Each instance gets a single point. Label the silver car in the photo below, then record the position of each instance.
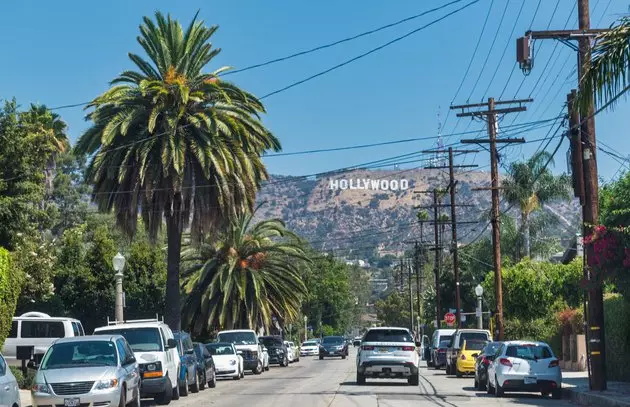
(95, 371)
(9, 391)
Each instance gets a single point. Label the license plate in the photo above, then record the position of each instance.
(531, 380)
(383, 350)
(73, 402)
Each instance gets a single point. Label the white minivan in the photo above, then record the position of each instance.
(155, 349)
(40, 331)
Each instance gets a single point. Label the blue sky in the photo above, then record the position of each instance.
(61, 53)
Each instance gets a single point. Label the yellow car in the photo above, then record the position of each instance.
(467, 356)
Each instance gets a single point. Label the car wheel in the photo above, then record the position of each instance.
(123, 400)
(413, 380)
(458, 373)
(476, 385)
(183, 389)
(321, 358)
(136, 398)
(202, 381)
(343, 357)
(556, 394)
(237, 377)
(360, 379)
(482, 385)
(175, 391)
(258, 369)
(498, 391)
(213, 383)
(448, 370)
(242, 374)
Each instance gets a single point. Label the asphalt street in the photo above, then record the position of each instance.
(331, 382)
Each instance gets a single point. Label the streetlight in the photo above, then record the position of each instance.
(479, 293)
(119, 264)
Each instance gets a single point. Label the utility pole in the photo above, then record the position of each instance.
(419, 267)
(584, 34)
(411, 318)
(490, 116)
(438, 255)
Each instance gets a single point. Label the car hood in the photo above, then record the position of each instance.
(148, 357)
(251, 348)
(222, 360)
(332, 345)
(76, 374)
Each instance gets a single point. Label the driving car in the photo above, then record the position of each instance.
(467, 356)
(98, 370)
(388, 352)
(188, 375)
(228, 362)
(333, 346)
(205, 366)
(482, 362)
(309, 348)
(11, 395)
(277, 350)
(246, 341)
(525, 366)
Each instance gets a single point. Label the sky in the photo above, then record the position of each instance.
(64, 53)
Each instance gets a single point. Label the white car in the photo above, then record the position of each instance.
(309, 348)
(11, 395)
(227, 360)
(265, 358)
(246, 341)
(386, 353)
(292, 350)
(525, 366)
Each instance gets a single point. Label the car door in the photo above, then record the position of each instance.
(191, 359)
(209, 363)
(6, 385)
(133, 367)
(126, 372)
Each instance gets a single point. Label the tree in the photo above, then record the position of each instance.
(393, 311)
(530, 184)
(69, 193)
(10, 284)
(172, 143)
(245, 278)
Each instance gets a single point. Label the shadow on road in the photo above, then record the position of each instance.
(377, 383)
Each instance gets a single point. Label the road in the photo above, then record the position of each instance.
(331, 383)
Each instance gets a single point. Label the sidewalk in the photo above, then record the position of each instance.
(575, 387)
(25, 398)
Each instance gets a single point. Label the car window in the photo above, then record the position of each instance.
(3, 366)
(491, 348)
(499, 351)
(529, 352)
(14, 329)
(140, 339)
(271, 341)
(467, 336)
(444, 344)
(475, 345)
(310, 343)
(81, 329)
(42, 329)
(80, 354)
(333, 340)
(220, 349)
(239, 338)
(130, 355)
(122, 351)
(445, 338)
(388, 335)
(75, 329)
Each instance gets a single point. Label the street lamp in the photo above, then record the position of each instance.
(479, 293)
(119, 264)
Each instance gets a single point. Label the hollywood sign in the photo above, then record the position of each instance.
(369, 184)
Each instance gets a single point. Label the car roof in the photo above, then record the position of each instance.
(89, 338)
(385, 328)
(219, 343)
(128, 325)
(446, 331)
(237, 330)
(526, 343)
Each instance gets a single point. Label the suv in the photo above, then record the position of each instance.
(457, 341)
(188, 374)
(246, 341)
(155, 349)
(388, 353)
(333, 346)
(38, 330)
(277, 349)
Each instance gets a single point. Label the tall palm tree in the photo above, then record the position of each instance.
(175, 144)
(247, 277)
(530, 184)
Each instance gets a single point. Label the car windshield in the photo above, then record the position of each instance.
(333, 340)
(220, 349)
(269, 341)
(529, 352)
(445, 338)
(444, 344)
(491, 348)
(140, 339)
(475, 345)
(468, 336)
(80, 354)
(238, 338)
(388, 335)
(310, 343)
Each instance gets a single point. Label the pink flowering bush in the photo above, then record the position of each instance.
(610, 259)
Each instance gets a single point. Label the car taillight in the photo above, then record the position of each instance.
(463, 357)
(365, 347)
(408, 348)
(553, 363)
(485, 361)
(441, 350)
(505, 362)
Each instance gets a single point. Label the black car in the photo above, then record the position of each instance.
(205, 369)
(439, 359)
(277, 350)
(485, 357)
(333, 346)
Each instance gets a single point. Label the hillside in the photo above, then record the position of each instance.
(356, 212)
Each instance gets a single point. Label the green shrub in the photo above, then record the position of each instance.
(616, 316)
(10, 285)
(23, 382)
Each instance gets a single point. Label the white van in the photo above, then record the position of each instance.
(246, 342)
(40, 331)
(155, 349)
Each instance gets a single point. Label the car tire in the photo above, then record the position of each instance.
(266, 368)
(321, 358)
(448, 369)
(458, 374)
(343, 357)
(237, 377)
(123, 401)
(136, 398)
(183, 389)
(242, 374)
(482, 385)
(498, 391)
(175, 391)
(360, 379)
(476, 384)
(258, 369)
(556, 394)
(202, 382)
(213, 383)
(413, 380)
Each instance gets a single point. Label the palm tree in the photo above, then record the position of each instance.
(422, 217)
(172, 143)
(55, 131)
(247, 277)
(530, 185)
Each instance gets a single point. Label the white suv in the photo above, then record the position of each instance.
(246, 342)
(388, 353)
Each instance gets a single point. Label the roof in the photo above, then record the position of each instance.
(526, 343)
(154, 324)
(38, 316)
(237, 330)
(219, 344)
(88, 338)
(380, 328)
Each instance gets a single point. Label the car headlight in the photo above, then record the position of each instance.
(232, 362)
(40, 388)
(280, 351)
(106, 384)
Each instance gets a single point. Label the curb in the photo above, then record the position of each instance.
(593, 399)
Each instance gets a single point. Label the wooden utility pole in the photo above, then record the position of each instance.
(491, 118)
(436, 270)
(419, 268)
(588, 186)
(411, 318)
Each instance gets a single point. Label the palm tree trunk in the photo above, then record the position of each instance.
(526, 235)
(172, 314)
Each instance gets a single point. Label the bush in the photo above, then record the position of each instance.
(540, 329)
(23, 382)
(616, 316)
(10, 285)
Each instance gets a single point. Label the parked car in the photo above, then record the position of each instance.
(482, 362)
(10, 397)
(96, 370)
(188, 375)
(227, 360)
(309, 348)
(333, 346)
(525, 366)
(388, 353)
(205, 366)
(457, 341)
(425, 348)
(277, 350)
(356, 342)
(246, 341)
(293, 352)
(439, 360)
(38, 330)
(265, 358)
(467, 356)
(155, 349)
(439, 335)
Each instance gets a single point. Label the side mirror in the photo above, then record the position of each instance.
(170, 344)
(32, 365)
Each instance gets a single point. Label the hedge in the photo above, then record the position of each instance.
(10, 286)
(616, 316)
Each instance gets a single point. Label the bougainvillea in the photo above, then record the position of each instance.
(610, 258)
